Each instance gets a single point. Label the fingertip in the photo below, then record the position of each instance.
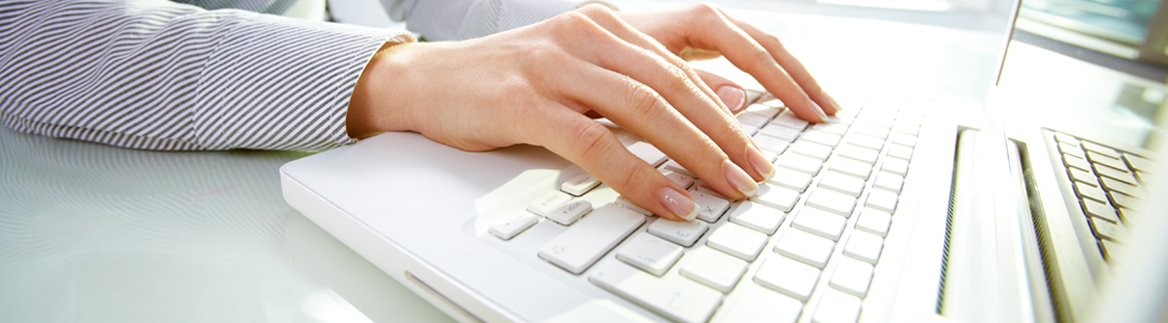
(680, 206)
(733, 97)
(831, 106)
(819, 111)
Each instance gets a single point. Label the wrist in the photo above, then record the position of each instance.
(376, 105)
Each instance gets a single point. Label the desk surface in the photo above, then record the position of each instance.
(95, 233)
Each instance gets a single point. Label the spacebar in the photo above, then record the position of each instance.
(675, 297)
(590, 238)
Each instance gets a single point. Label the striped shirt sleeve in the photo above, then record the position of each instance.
(466, 19)
(159, 75)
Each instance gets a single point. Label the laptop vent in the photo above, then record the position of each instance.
(948, 232)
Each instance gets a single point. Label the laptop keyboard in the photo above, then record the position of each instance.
(812, 236)
(1107, 183)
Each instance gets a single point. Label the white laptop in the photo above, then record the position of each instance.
(897, 210)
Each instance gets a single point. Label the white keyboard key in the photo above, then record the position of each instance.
(900, 151)
(592, 237)
(837, 307)
(789, 120)
(764, 109)
(790, 178)
(674, 166)
(648, 153)
(570, 212)
(710, 207)
(749, 129)
(882, 200)
(839, 182)
(889, 181)
(780, 198)
(513, 224)
(896, 166)
(832, 127)
(649, 253)
(624, 202)
(548, 203)
(866, 142)
(580, 184)
(811, 149)
(852, 276)
(820, 223)
(832, 201)
(870, 130)
(714, 269)
(752, 119)
(907, 128)
(825, 138)
(737, 241)
(783, 133)
(864, 247)
(684, 233)
(858, 153)
(678, 299)
(904, 139)
(874, 222)
(685, 181)
(758, 217)
(800, 163)
(788, 276)
(769, 143)
(802, 246)
(758, 304)
(851, 167)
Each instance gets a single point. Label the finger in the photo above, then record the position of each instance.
(744, 52)
(731, 94)
(794, 68)
(688, 94)
(595, 149)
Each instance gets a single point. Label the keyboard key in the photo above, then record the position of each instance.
(907, 128)
(624, 202)
(1139, 163)
(584, 243)
(1074, 150)
(802, 246)
(758, 304)
(1123, 200)
(1104, 229)
(548, 203)
(1118, 186)
(896, 166)
(580, 184)
(1109, 161)
(765, 110)
(684, 233)
(864, 247)
(858, 153)
(889, 181)
(1099, 210)
(1100, 149)
(1077, 162)
(672, 165)
(837, 307)
(789, 120)
(513, 224)
(839, 182)
(758, 217)
(874, 222)
(780, 198)
(800, 163)
(570, 212)
(866, 142)
(791, 179)
(870, 130)
(882, 200)
(714, 269)
(753, 119)
(647, 153)
(832, 127)
(831, 201)
(900, 151)
(1091, 192)
(821, 137)
(749, 129)
(685, 181)
(677, 298)
(786, 134)
(811, 149)
(650, 253)
(771, 143)
(710, 207)
(787, 276)
(851, 167)
(904, 139)
(1116, 174)
(1062, 137)
(820, 223)
(1081, 176)
(737, 241)
(852, 276)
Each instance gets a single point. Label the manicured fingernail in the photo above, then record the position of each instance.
(678, 203)
(738, 179)
(834, 104)
(761, 165)
(818, 111)
(733, 97)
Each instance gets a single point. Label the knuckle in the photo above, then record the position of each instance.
(590, 136)
(642, 100)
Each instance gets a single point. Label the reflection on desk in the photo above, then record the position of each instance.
(96, 233)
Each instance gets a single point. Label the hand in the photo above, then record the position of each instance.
(543, 84)
(704, 31)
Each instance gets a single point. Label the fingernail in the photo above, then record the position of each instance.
(678, 203)
(834, 104)
(818, 111)
(738, 179)
(759, 162)
(733, 97)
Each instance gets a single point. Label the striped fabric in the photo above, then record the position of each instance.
(154, 74)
